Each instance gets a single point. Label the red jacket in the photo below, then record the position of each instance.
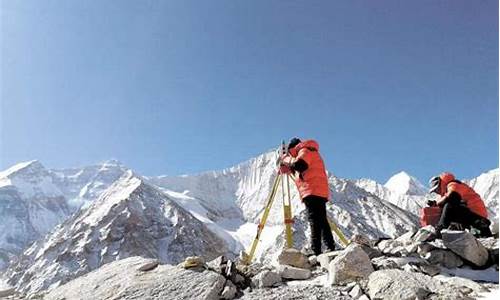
(471, 199)
(312, 181)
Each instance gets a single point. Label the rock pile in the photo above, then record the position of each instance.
(415, 265)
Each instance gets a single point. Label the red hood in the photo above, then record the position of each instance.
(446, 178)
(308, 144)
(305, 144)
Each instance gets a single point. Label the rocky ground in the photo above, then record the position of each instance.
(415, 265)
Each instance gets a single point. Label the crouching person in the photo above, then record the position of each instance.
(460, 205)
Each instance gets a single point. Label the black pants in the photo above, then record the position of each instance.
(316, 214)
(457, 212)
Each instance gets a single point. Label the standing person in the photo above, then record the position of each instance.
(460, 205)
(303, 159)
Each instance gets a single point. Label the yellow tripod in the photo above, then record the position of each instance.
(287, 213)
(284, 179)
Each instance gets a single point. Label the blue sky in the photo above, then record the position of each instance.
(174, 87)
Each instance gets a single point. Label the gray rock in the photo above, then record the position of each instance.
(412, 247)
(352, 264)
(356, 292)
(148, 266)
(266, 278)
(361, 240)
(295, 258)
(444, 258)
(313, 260)
(430, 270)
(7, 292)
(465, 245)
(363, 297)
(460, 282)
(491, 244)
(382, 263)
(397, 284)
(122, 280)
(229, 291)
(372, 252)
(424, 234)
(218, 264)
(289, 272)
(325, 258)
(406, 238)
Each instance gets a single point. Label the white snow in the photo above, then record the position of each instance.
(404, 184)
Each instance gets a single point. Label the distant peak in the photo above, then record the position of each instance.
(404, 184)
(32, 165)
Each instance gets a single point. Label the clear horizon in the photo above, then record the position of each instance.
(181, 87)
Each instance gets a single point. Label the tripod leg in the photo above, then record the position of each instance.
(248, 258)
(287, 208)
(337, 231)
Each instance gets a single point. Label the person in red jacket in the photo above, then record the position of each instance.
(305, 162)
(460, 205)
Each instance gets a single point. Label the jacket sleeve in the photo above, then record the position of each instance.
(451, 196)
(299, 165)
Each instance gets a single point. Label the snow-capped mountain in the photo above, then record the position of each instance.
(81, 186)
(30, 206)
(33, 199)
(158, 216)
(130, 218)
(410, 203)
(232, 201)
(486, 185)
(411, 195)
(404, 184)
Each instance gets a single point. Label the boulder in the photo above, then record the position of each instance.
(193, 262)
(266, 278)
(229, 291)
(356, 292)
(465, 245)
(149, 265)
(5, 292)
(372, 252)
(122, 280)
(460, 283)
(295, 258)
(444, 258)
(361, 240)
(294, 273)
(313, 260)
(218, 264)
(325, 258)
(491, 244)
(406, 238)
(425, 234)
(396, 262)
(352, 264)
(430, 270)
(398, 284)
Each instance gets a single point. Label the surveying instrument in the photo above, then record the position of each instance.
(283, 180)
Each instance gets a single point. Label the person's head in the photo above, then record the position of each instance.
(291, 146)
(439, 183)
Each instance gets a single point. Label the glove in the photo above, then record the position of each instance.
(431, 203)
(285, 169)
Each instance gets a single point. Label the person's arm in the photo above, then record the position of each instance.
(297, 164)
(450, 197)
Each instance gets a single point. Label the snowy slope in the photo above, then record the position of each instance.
(486, 185)
(130, 218)
(410, 203)
(30, 206)
(233, 199)
(81, 186)
(404, 184)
